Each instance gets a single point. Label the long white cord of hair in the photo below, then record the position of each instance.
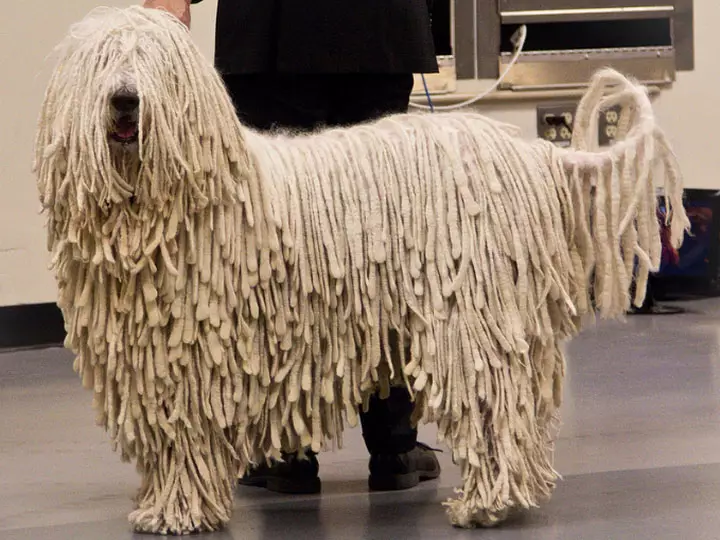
(230, 294)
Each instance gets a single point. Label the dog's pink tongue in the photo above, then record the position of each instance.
(126, 131)
(125, 128)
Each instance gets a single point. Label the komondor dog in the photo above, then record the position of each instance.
(230, 295)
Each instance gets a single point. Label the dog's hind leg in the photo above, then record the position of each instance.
(495, 417)
(497, 474)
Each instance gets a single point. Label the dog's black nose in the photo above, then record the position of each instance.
(125, 102)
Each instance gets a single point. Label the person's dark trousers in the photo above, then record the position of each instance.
(304, 103)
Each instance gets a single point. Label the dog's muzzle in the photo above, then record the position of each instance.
(125, 117)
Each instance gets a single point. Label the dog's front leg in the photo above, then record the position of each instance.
(187, 485)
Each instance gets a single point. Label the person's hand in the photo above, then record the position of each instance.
(179, 8)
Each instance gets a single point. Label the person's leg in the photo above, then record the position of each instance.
(397, 460)
(268, 102)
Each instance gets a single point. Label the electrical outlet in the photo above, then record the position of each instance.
(608, 125)
(555, 123)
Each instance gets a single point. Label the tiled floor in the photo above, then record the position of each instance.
(639, 450)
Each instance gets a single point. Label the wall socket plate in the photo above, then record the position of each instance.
(555, 123)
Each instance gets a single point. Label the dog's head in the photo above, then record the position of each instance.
(118, 69)
(134, 118)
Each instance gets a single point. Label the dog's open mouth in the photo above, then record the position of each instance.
(125, 130)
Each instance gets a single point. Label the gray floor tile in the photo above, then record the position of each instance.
(639, 451)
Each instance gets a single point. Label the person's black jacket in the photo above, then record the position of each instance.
(324, 36)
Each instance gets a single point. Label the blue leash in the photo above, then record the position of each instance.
(427, 94)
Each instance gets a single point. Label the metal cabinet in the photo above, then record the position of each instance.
(568, 39)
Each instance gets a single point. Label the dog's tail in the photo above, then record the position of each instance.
(620, 199)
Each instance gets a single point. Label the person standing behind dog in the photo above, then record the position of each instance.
(302, 65)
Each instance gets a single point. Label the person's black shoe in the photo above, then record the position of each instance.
(293, 476)
(395, 472)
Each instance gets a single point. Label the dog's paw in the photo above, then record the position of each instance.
(466, 515)
(149, 521)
